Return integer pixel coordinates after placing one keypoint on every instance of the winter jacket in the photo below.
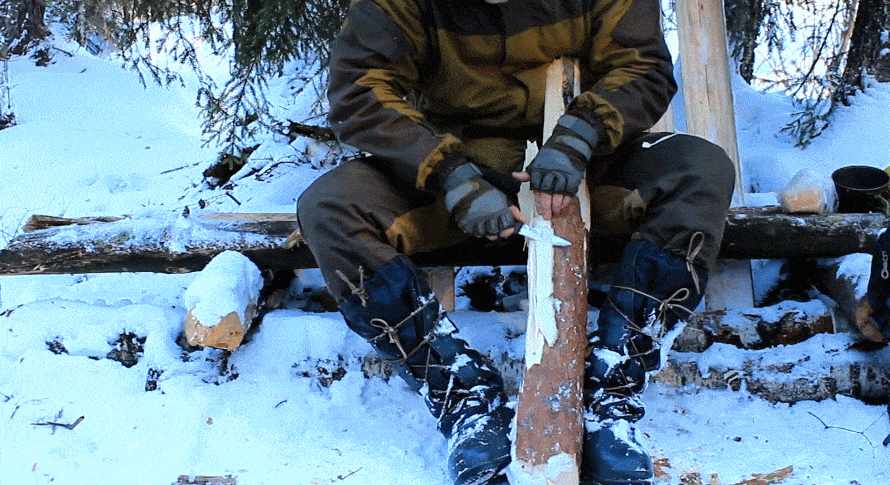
(427, 84)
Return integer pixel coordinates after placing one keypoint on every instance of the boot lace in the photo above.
(360, 291)
(656, 326)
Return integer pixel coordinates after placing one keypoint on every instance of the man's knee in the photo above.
(711, 163)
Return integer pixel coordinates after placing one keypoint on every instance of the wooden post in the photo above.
(707, 95)
(549, 416)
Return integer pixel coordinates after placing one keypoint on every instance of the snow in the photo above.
(90, 141)
(229, 283)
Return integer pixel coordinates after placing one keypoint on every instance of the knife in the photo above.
(542, 237)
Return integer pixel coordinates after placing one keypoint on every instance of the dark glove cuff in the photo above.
(436, 180)
(580, 127)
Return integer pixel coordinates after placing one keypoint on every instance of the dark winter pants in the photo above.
(660, 187)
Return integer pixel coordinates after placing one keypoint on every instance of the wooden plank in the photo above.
(710, 113)
(707, 89)
(441, 281)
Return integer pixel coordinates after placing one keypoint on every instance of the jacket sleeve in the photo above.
(632, 80)
(375, 63)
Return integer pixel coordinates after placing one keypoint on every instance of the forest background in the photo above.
(819, 52)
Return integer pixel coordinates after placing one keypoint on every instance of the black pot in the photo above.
(861, 188)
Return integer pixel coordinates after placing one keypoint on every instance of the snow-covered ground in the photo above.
(91, 141)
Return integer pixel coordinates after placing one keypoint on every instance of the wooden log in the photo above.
(441, 281)
(781, 236)
(222, 301)
(755, 328)
(549, 422)
(710, 114)
(184, 244)
(707, 89)
(778, 374)
(207, 480)
(788, 374)
(549, 415)
(848, 290)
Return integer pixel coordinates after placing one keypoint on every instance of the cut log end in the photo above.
(226, 334)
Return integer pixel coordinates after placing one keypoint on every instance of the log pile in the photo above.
(767, 357)
(774, 353)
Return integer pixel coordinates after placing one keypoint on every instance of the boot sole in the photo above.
(618, 482)
(484, 479)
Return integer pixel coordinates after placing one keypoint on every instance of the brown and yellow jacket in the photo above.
(426, 84)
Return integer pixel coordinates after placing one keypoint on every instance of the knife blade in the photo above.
(542, 237)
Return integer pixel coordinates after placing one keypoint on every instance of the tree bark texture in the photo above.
(549, 415)
(868, 52)
(24, 25)
(784, 373)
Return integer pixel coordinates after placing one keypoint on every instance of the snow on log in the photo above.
(549, 415)
(222, 301)
(167, 243)
(787, 373)
(786, 323)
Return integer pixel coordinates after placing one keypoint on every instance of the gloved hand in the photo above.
(479, 208)
(559, 166)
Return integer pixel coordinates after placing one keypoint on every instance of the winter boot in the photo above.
(652, 291)
(401, 318)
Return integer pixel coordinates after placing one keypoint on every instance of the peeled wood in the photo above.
(549, 415)
(707, 89)
(549, 422)
(226, 334)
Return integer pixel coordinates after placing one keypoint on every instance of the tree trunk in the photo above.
(869, 47)
(24, 26)
(549, 415)
(743, 21)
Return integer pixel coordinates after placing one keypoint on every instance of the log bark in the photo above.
(185, 244)
(787, 375)
(755, 328)
(760, 234)
(549, 414)
(848, 291)
(549, 420)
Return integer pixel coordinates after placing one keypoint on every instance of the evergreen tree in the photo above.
(22, 24)
(266, 39)
(744, 19)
